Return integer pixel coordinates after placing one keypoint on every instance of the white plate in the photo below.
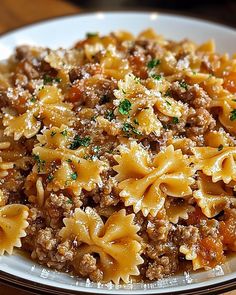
(64, 32)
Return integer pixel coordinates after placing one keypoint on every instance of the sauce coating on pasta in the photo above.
(118, 156)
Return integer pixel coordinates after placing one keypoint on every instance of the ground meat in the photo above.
(57, 207)
(195, 96)
(198, 123)
(88, 268)
(188, 235)
(158, 230)
(23, 52)
(162, 267)
(83, 72)
(92, 94)
(50, 251)
(209, 228)
(36, 220)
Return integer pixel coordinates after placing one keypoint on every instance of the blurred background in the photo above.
(218, 10)
(15, 13)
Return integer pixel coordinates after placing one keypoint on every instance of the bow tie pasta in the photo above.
(116, 242)
(12, 226)
(117, 156)
(145, 182)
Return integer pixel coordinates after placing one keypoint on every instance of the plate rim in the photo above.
(22, 284)
(214, 288)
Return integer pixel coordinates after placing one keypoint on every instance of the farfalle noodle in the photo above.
(219, 164)
(211, 197)
(49, 108)
(116, 242)
(146, 183)
(12, 226)
(122, 149)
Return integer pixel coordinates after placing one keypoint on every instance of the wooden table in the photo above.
(16, 13)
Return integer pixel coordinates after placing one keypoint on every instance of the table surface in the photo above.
(12, 16)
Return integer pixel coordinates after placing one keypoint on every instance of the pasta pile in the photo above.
(118, 156)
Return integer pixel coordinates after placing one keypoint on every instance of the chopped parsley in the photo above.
(220, 147)
(156, 77)
(50, 177)
(96, 148)
(64, 132)
(233, 115)
(79, 141)
(184, 85)
(168, 93)
(40, 163)
(68, 160)
(57, 80)
(53, 133)
(168, 103)
(48, 79)
(74, 176)
(109, 115)
(153, 63)
(175, 120)
(136, 122)
(93, 118)
(91, 35)
(124, 107)
(128, 129)
(123, 91)
(69, 201)
(137, 80)
(33, 99)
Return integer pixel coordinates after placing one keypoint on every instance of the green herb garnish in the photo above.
(74, 176)
(184, 85)
(168, 103)
(53, 133)
(48, 79)
(153, 63)
(96, 148)
(124, 107)
(68, 160)
(129, 129)
(175, 120)
(137, 80)
(50, 177)
(69, 201)
(233, 115)
(93, 118)
(156, 77)
(109, 115)
(33, 99)
(40, 163)
(91, 35)
(64, 132)
(57, 80)
(79, 141)
(136, 122)
(168, 93)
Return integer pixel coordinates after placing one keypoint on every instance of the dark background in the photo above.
(223, 11)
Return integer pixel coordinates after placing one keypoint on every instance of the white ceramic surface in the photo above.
(64, 32)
